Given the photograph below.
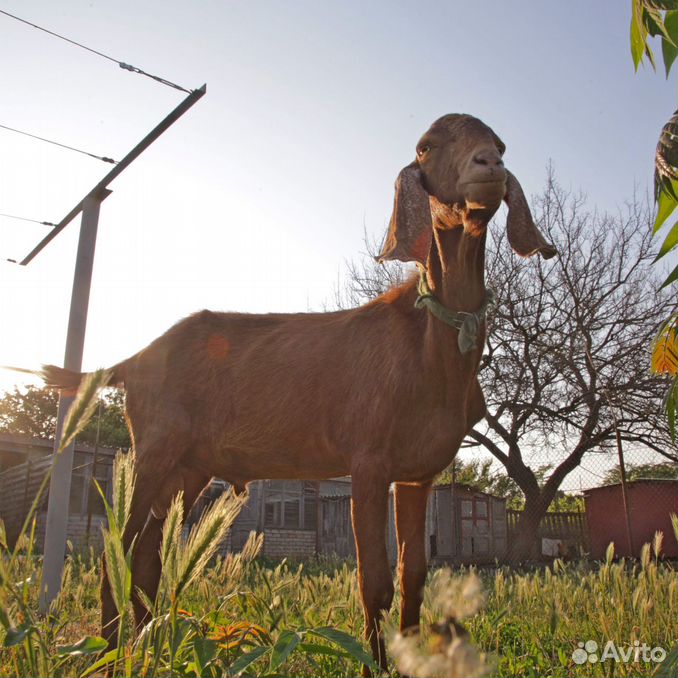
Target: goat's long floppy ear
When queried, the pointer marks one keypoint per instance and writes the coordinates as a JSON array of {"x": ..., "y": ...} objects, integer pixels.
[
  {"x": 523, "y": 235},
  {"x": 411, "y": 228}
]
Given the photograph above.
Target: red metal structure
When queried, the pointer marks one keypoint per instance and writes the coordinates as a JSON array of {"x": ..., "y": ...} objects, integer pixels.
[{"x": 651, "y": 503}]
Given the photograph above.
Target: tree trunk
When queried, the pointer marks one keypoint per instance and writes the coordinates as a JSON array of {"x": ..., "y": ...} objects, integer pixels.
[{"x": 524, "y": 543}]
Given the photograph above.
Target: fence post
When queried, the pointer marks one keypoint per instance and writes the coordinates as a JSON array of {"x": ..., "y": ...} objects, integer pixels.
[{"x": 625, "y": 496}]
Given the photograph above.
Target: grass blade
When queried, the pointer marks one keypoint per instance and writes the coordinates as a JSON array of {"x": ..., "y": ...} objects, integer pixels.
[{"x": 83, "y": 406}]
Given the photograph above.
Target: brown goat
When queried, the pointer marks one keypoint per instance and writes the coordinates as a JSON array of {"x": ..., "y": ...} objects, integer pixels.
[{"x": 385, "y": 392}]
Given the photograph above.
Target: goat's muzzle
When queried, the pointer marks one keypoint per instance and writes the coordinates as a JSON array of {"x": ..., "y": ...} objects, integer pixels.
[{"x": 484, "y": 194}]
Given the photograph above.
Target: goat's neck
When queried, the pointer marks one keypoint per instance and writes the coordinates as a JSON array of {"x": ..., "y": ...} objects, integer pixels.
[
  {"x": 456, "y": 275},
  {"x": 456, "y": 268}
]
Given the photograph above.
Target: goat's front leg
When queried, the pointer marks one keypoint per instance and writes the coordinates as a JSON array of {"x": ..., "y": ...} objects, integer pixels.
[
  {"x": 410, "y": 515},
  {"x": 369, "y": 512}
]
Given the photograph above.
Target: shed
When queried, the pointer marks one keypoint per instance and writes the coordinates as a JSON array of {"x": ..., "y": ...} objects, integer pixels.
[
  {"x": 289, "y": 514},
  {"x": 462, "y": 525},
  {"x": 651, "y": 503},
  {"x": 465, "y": 525},
  {"x": 26, "y": 460}
]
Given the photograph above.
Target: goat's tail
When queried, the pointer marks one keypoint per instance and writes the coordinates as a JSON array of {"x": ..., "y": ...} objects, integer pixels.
[{"x": 69, "y": 380}]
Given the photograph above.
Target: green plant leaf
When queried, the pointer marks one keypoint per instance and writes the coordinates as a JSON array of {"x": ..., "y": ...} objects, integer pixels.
[
  {"x": 283, "y": 647},
  {"x": 669, "y": 667},
  {"x": 86, "y": 645},
  {"x": 204, "y": 652},
  {"x": 245, "y": 660},
  {"x": 670, "y": 406},
  {"x": 347, "y": 643},
  {"x": 671, "y": 278},
  {"x": 108, "y": 659},
  {"x": 666, "y": 203},
  {"x": 650, "y": 56},
  {"x": 669, "y": 243},
  {"x": 670, "y": 47},
  {"x": 637, "y": 36},
  {"x": 4, "y": 619},
  {"x": 315, "y": 648},
  {"x": 653, "y": 22}
]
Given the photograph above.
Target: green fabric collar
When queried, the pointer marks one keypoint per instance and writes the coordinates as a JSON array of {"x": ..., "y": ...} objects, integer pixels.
[{"x": 468, "y": 324}]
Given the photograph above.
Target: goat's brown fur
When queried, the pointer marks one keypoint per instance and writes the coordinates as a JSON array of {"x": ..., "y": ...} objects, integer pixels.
[{"x": 379, "y": 392}]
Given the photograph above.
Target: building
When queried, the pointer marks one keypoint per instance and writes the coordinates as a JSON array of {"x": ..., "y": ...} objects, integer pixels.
[
  {"x": 650, "y": 504},
  {"x": 24, "y": 461},
  {"x": 298, "y": 518},
  {"x": 288, "y": 512},
  {"x": 302, "y": 518}
]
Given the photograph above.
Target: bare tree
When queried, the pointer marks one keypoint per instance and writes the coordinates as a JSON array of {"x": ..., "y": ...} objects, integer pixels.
[
  {"x": 567, "y": 364},
  {"x": 366, "y": 279}
]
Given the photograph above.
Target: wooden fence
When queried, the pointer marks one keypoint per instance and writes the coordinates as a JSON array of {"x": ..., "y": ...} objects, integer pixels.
[
  {"x": 335, "y": 528},
  {"x": 570, "y": 527},
  {"x": 18, "y": 488}
]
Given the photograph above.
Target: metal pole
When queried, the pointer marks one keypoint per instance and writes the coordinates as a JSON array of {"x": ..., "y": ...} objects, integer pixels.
[
  {"x": 60, "y": 482},
  {"x": 318, "y": 518},
  {"x": 625, "y": 494},
  {"x": 454, "y": 533},
  {"x": 124, "y": 163},
  {"x": 92, "y": 480}
]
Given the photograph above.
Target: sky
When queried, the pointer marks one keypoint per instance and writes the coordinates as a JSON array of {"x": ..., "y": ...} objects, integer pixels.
[{"x": 257, "y": 197}]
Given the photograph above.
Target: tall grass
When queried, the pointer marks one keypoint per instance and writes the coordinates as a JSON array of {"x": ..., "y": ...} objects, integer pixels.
[
  {"x": 174, "y": 641},
  {"x": 239, "y": 609},
  {"x": 234, "y": 614}
]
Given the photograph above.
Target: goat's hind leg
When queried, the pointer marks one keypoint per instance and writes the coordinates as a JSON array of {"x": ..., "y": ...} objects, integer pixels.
[
  {"x": 146, "y": 489},
  {"x": 369, "y": 513},
  {"x": 159, "y": 445},
  {"x": 410, "y": 516},
  {"x": 146, "y": 565}
]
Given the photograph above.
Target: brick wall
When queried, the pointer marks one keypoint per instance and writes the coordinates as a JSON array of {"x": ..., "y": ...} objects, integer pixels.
[
  {"x": 294, "y": 543},
  {"x": 75, "y": 532}
]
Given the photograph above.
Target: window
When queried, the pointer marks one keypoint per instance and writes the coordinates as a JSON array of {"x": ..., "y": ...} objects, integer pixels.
[
  {"x": 82, "y": 485},
  {"x": 290, "y": 504}
]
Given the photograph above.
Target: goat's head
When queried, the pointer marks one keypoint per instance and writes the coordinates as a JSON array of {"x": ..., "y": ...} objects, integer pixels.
[{"x": 458, "y": 179}]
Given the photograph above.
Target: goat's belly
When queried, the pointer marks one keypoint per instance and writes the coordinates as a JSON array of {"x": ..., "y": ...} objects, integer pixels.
[
  {"x": 427, "y": 452},
  {"x": 246, "y": 463}
]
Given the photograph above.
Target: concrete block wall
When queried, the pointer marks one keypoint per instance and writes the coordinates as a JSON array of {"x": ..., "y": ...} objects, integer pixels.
[
  {"x": 294, "y": 543},
  {"x": 76, "y": 532}
]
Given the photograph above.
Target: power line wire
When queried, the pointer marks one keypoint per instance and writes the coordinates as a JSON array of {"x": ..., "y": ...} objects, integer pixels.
[
  {"x": 122, "y": 64},
  {"x": 103, "y": 158},
  {"x": 35, "y": 221}
]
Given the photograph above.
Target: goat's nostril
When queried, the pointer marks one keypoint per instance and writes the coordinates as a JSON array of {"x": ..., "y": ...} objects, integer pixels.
[{"x": 487, "y": 157}]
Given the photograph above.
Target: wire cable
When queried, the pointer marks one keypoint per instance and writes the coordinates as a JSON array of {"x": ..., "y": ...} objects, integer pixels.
[
  {"x": 122, "y": 64},
  {"x": 35, "y": 221},
  {"x": 103, "y": 158}
]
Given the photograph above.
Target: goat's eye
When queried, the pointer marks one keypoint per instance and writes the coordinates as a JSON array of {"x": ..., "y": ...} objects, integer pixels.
[{"x": 423, "y": 149}]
